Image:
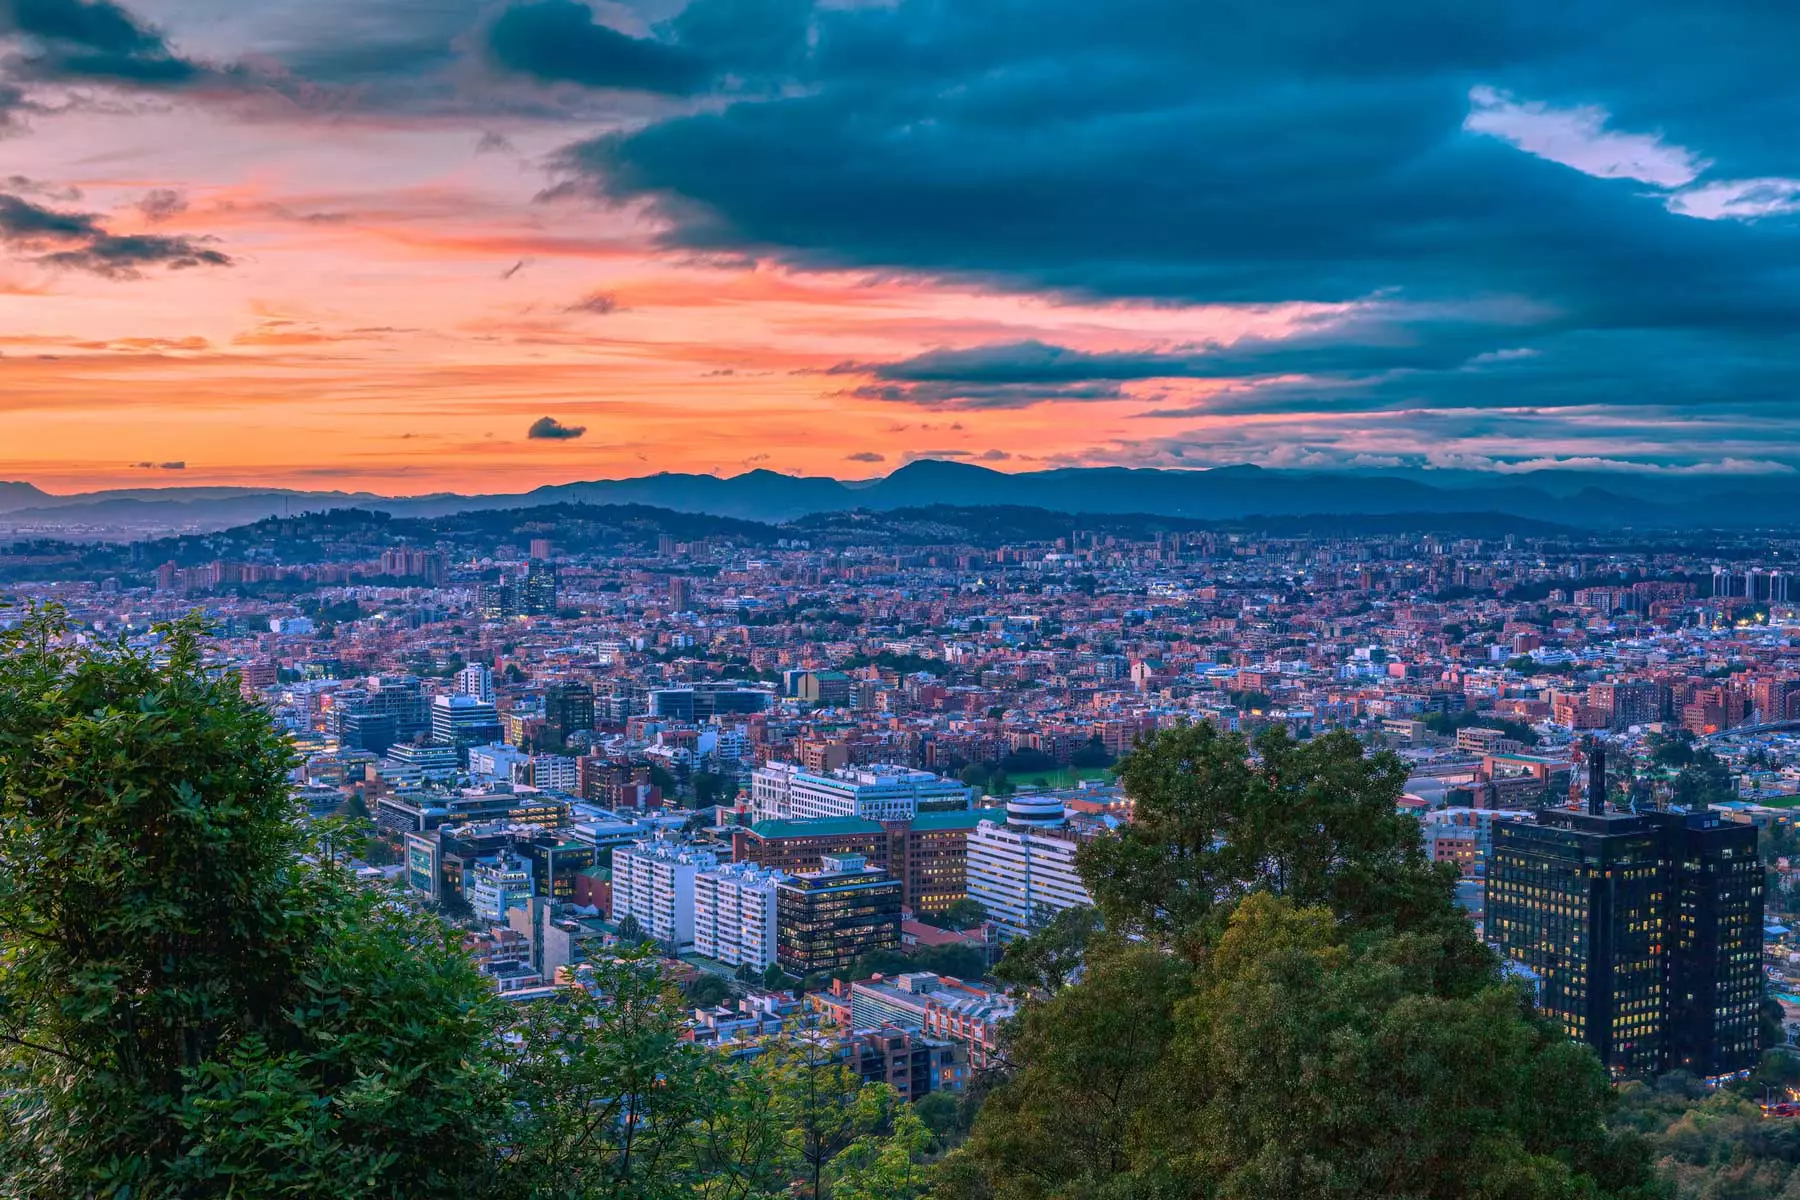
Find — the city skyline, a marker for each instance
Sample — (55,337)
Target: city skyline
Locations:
(409,248)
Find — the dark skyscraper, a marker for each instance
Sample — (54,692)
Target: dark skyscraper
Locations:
(1644,930)
(567,708)
(537,591)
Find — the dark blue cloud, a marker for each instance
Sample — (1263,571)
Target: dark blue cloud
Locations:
(92,41)
(550,429)
(78,241)
(559,41)
(1255,154)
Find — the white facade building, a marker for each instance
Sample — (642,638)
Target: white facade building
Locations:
(554,771)
(495,761)
(654,882)
(499,885)
(477,681)
(734,914)
(1023,872)
(783,791)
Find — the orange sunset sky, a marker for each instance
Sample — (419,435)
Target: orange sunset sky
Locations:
(378,247)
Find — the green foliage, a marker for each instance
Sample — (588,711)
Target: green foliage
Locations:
(1705,780)
(193,1007)
(706,992)
(1672,750)
(823,1110)
(1026,761)
(987,778)
(904,664)
(1446,725)
(963,914)
(710,788)
(1284,1001)
(942,1115)
(1713,1145)
(1093,754)
(631,930)
(959,961)
(1296,1058)
(186,1008)
(1045,960)
(609,1099)
(1313,821)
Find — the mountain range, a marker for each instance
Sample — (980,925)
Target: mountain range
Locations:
(1588,499)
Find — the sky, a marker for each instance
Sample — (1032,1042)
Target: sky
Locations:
(408,246)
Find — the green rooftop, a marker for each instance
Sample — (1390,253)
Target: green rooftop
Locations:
(961,818)
(814,827)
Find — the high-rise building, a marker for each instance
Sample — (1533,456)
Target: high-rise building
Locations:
(927,853)
(568,707)
(875,793)
(537,591)
(463,721)
(1023,871)
(679,599)
(499,884)
(407,563)
(702,702)
(497,601)
(654,882)
(1643,930)
(829,918)
(734,915)
(475,680)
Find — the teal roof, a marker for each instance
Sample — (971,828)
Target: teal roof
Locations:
(814,827)
(961,818)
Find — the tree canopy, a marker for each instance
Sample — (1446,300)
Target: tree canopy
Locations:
(186,1007)
(1277,997)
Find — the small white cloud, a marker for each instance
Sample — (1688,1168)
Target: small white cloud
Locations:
(1738,199)
(1579,138)
(1512,354)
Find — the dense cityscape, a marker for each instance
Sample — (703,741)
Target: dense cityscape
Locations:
(899,600)
(860,769)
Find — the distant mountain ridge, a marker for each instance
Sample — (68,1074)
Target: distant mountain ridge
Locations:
(1589,499)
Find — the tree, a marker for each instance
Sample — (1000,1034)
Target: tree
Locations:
(1296,1058)
(631,930)
(710,787)
(886,1166)
(822,1105)
(186,1007)
(960,915)
(941,1114)
(775,979)
(1283,1001)
(1093,754)
(610,1099)
(454,906)
(707,991)
(1218,817)
(1051,954)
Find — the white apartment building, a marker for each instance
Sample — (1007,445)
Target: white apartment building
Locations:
(784,791)
(498,885)
(1023,872)
(734,914)
(477,681)
(654,882)
(555,771)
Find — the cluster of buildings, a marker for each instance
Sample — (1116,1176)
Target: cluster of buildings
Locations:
(774,756)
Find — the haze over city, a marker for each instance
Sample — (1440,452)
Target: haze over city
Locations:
(408,247)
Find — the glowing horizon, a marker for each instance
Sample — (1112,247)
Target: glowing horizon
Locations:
(228,241)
